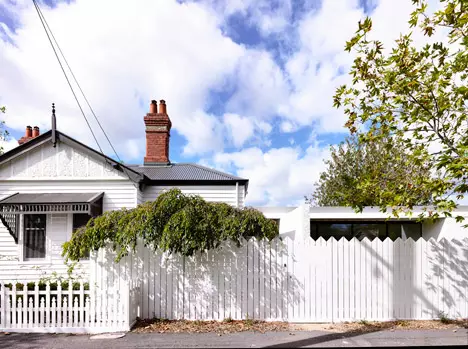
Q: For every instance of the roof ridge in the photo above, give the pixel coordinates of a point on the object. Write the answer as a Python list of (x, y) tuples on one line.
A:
[(216, 171)]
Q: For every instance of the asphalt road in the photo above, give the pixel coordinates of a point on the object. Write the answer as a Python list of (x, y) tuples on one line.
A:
[(302, 339)]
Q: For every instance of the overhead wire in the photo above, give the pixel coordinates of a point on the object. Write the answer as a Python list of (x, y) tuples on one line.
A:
[(65, 74), (78, 84), (47, 29)]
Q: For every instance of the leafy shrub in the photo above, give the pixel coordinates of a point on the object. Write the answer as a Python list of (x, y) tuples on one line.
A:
[(174, 222)]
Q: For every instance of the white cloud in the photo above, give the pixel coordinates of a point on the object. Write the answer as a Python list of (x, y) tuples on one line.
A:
[(261, 87), (8, 144), (158, 49), (277, 176), (287, 127), (182, 52), (240, 129)]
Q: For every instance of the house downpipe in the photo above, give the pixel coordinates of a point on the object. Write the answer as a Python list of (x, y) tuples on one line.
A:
[(237, 194)]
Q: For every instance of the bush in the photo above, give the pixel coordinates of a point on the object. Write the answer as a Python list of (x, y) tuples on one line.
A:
[(174, 222)]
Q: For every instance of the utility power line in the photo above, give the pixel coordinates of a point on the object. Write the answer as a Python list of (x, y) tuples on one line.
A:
[(52, 37)]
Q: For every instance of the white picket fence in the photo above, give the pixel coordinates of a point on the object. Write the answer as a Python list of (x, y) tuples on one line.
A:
[(299, 281), (68, 310)]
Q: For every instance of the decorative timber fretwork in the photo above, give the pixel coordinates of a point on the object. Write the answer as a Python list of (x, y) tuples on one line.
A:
[(11, 222)]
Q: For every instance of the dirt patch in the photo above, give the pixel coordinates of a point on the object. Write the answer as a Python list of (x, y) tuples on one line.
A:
[(220, 327), (232, 326), (371, 326)]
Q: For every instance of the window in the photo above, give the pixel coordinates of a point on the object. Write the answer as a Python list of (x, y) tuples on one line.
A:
[(34, 236), (365, 229), (79, 220)]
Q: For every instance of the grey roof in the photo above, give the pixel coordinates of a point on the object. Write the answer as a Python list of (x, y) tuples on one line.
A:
[(51, 198), (184, 172)]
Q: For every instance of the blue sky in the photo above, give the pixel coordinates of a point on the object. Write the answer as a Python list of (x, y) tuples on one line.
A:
[(248, 83)]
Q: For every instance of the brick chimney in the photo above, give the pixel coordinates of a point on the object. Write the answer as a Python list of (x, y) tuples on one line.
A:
[(158, 129), (29, 134)]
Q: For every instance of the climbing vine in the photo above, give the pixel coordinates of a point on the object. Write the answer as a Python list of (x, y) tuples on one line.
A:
[(174, 222)]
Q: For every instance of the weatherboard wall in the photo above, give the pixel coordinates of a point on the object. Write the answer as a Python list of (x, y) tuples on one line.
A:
[(63, 169), (212, 193)]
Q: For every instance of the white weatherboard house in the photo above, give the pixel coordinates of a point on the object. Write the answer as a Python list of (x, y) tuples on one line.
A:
[(382, 269), (51, 184)]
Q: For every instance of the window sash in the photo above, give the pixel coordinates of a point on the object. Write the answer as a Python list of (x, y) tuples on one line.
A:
[(34, 236)]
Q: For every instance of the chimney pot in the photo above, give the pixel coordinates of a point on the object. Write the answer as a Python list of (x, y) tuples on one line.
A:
[(153, 107), (162, 107), (28, 133), (35, 132)]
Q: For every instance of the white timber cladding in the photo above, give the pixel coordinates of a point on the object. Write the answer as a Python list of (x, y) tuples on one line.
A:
[(63, 169), (118, 194), (213, 193)]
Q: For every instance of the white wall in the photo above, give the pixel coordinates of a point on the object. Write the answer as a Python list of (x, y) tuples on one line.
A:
[(293, 220), (56, 170), (213, 193), (295, 224)]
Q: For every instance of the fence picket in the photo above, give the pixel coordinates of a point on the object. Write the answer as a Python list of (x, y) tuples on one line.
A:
[(53, 309), (41, 312), (20, 313)]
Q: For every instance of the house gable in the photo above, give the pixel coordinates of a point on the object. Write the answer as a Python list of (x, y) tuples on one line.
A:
[(43, 161)]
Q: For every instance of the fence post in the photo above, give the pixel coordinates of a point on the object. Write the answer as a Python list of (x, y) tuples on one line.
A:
[(25, 305), (2, 305), (70, 320), (82, 305), (59, 304), (47, 300), (36, 304), (13, 305)]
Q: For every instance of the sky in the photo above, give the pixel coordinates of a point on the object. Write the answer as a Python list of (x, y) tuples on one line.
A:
[(248, 84)]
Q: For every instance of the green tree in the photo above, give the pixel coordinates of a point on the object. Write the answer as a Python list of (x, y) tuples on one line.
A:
[(357, 175), (3, 132), (174, 222), (417, 96)]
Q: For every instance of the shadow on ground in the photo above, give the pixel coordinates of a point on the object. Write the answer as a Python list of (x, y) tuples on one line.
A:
[(28, 340), (360, 329)]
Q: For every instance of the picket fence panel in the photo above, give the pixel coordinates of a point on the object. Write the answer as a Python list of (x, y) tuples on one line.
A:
[(68, 310), (298, 281)]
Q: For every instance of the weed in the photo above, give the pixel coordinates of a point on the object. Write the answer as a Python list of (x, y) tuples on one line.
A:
[(249, 322), (364, 322), (228, 320), (443, 317)]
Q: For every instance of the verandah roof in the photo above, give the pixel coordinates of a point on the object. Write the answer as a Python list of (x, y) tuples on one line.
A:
[(43, 203)]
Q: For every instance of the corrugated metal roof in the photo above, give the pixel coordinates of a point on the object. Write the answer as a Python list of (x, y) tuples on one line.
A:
[(51, 198), (184, 171)]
